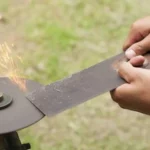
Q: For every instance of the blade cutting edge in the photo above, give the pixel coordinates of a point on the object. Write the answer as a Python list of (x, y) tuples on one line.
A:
[(78, 88)]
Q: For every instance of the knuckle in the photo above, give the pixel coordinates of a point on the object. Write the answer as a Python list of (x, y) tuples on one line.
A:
[(138, 48), (140, 23)]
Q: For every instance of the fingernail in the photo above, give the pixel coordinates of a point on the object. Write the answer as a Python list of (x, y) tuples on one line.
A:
[(145, 63), (130, 53)]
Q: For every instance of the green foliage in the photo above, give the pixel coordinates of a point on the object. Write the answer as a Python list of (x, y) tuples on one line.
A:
[(4, 6), (51, 35)]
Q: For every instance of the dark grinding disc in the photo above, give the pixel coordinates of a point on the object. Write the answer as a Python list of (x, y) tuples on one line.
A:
[(21, 112)]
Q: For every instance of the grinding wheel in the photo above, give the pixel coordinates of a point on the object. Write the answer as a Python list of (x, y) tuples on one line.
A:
[(21, 112)]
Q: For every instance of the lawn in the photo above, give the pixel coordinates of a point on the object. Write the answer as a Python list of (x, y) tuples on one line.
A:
[(58, 37)]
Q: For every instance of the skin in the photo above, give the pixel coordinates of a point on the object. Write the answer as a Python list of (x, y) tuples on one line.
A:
[(135, 94)]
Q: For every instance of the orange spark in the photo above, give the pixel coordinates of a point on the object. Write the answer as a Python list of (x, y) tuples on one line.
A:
[(8, 66)]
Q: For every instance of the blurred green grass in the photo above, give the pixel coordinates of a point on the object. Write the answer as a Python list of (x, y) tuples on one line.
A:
[(56, 38)]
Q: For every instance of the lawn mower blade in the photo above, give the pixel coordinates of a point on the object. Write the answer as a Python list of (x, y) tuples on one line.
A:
[(79, 87)]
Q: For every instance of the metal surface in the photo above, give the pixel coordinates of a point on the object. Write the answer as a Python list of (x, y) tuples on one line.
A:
[(21, 113), (80, 87), (1, 97), (5, 101)]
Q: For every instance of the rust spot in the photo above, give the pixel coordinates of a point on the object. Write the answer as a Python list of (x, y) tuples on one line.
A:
[(117, 63)]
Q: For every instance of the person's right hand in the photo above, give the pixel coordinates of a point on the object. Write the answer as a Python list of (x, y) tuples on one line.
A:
[(138, 40), (134, 94)]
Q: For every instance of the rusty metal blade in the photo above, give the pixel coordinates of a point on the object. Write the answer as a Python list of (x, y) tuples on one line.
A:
[(77, 88)]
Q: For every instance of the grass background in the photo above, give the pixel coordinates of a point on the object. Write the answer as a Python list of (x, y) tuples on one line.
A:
[(58, 37)]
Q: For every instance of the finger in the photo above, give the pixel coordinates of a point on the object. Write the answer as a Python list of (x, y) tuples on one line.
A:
[(127, 71), (139, 30), (139, 48), (121, 93), (133, 37), (137, 61)]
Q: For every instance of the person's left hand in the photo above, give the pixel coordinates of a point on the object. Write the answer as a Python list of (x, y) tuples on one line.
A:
[(135, 94)]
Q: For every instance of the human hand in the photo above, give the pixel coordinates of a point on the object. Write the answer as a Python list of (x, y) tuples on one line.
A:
[(135, 94), (138, 40)]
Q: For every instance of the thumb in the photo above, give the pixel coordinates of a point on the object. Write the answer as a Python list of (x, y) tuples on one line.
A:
[(138, 48), (127, 72)]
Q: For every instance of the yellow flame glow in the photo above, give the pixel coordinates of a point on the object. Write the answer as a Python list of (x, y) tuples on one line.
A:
[(8, 66)]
